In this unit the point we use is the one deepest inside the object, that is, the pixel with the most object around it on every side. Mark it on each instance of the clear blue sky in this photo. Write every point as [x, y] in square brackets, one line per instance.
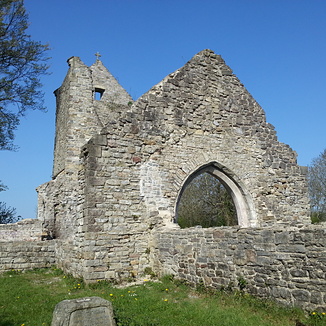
[277, 48]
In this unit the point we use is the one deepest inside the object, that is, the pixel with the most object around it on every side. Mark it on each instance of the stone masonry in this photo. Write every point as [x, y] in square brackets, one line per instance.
[121, 166]
[286, 264]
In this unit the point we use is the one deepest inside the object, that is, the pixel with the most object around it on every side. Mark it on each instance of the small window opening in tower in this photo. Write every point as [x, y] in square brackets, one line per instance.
[98, 93]
[206, 202]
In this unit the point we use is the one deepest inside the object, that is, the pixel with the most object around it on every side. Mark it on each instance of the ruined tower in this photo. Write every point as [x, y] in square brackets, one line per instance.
[86, 101]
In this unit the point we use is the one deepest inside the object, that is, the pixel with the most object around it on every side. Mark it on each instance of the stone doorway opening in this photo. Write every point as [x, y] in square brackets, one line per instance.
[212, 196]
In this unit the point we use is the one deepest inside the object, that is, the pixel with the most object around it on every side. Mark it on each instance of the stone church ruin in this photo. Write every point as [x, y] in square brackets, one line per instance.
[120, 167]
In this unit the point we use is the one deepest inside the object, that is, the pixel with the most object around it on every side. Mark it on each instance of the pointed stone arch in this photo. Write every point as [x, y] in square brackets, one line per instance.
[241, 197]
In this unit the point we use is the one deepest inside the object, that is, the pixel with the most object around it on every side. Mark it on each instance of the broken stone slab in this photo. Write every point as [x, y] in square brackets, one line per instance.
[88, 311]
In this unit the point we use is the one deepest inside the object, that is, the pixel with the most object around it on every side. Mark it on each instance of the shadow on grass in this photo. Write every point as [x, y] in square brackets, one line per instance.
[4, 322]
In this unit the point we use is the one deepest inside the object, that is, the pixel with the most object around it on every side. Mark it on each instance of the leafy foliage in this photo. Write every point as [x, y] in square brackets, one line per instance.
[7, 214]
[206, 202]
[317, 187]
[22, 62]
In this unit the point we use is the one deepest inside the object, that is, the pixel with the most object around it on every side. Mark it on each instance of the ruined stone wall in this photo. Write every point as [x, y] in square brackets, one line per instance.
[59, 206]
[285, 264]
[61, 209]
[199, 115]
[25, 230]
[132, 172]
[115, 225]
[22, 255]
[202, 113]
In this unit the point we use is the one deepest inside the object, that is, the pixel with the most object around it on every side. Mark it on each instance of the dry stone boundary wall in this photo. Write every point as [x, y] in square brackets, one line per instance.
[23, 255]
[288, 265]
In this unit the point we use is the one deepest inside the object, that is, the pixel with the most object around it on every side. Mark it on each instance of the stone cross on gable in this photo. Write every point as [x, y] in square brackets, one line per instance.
[97, 56]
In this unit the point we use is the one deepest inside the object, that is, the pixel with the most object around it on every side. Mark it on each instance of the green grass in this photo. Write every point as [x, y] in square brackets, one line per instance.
[29, 298]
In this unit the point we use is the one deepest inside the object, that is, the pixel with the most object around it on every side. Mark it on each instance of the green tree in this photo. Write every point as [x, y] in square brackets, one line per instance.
[206, 202]
[317, 188]
[22, 62]
[7, 214]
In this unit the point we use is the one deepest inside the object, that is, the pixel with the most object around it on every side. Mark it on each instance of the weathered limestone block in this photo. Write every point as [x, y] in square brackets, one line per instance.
[87, 311]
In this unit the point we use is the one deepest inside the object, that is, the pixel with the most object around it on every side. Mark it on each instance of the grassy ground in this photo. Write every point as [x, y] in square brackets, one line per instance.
[29, 298]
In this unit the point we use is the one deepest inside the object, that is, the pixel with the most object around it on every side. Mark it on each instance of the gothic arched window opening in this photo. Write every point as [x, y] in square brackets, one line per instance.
[206, 202]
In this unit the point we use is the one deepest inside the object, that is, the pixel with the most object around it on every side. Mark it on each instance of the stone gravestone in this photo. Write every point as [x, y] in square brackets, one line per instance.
[89, 311]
